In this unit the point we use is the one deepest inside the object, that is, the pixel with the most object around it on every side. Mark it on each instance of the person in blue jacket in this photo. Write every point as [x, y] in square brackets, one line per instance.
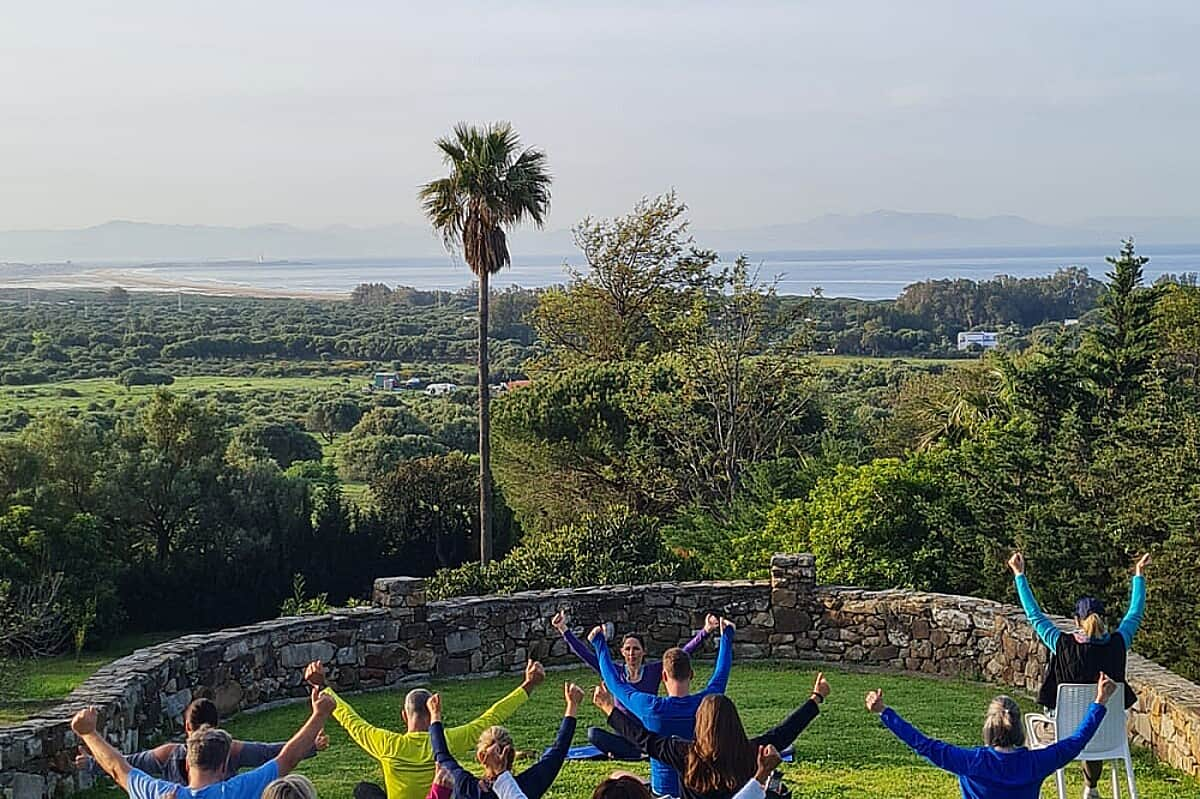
[675, 713]
[1081, 655]
[1003, 768]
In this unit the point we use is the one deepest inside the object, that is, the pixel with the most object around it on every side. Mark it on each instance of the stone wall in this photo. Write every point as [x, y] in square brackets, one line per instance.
[405, 638]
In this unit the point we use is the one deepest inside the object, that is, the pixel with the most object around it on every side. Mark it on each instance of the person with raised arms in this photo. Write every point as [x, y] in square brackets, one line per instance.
[1080, 656]
[169, 761]
[208, 750]
[673, 714]
[407, 757]
[715, 759]
[1003, 768]
[495, 752]
[644, 675]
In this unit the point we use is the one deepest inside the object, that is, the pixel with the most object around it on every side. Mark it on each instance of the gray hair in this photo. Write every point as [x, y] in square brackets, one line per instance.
[1002, 725]
[208, 748]
[293, 786]
[415, 703]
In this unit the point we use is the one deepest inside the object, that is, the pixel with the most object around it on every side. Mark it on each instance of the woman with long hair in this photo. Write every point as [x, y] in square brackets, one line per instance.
[1080, 656]
[1002, 768]
[720, 759]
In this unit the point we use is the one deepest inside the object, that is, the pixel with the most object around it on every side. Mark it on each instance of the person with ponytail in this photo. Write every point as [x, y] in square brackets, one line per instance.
[1080, 656]
[720, 760]
[1003, 768]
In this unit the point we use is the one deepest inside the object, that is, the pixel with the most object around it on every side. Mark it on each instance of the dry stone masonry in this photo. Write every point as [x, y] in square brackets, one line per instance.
[404, 638]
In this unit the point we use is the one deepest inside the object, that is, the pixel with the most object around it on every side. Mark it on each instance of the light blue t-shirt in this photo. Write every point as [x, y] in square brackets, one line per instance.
[249, 785]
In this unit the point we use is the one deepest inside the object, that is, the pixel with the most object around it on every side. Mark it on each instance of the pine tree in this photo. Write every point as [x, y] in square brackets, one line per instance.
[1120, 349]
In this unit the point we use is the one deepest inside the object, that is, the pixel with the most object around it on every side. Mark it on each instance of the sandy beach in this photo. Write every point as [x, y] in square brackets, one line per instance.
[63, 277]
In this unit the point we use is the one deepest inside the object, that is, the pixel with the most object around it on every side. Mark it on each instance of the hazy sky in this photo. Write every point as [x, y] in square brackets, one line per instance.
[316, 113]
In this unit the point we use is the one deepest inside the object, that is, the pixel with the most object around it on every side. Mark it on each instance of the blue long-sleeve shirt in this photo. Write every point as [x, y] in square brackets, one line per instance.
[534, 781]
[1048, 631]
[986, 773]
[665, 715]
[651, 675]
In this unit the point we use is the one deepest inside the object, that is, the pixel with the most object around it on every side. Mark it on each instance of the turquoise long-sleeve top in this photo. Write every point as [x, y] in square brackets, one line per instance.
[1048, 631]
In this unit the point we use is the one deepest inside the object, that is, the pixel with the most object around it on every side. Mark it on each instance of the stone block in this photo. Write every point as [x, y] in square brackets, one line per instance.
[297, 656]
[28, 786]
[461, 641]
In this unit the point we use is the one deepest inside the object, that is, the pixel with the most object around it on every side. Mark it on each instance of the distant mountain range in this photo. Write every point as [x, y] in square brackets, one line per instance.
[120, 240]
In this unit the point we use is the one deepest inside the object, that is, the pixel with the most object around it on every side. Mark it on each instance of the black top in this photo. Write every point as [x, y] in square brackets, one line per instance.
[674, 751]
[534, 781]
[1077, 661]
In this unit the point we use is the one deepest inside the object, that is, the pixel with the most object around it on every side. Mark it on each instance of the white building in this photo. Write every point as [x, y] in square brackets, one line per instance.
[987, 339]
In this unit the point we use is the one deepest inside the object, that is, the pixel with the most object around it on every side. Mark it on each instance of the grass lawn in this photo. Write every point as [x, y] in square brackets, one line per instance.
[854, 360]
[44, 682]
[846, 753]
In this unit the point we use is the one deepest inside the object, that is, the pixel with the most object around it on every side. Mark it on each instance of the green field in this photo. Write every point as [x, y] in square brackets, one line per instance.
[869, 360]
[846, 753]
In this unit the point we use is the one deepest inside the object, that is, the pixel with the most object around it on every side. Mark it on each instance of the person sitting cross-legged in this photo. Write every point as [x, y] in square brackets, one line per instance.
[207, 752]
[495, 753]
[169, 761]
[1003, 768]
[644, 675]
[715, 759]
[407, 757]
[673, 714]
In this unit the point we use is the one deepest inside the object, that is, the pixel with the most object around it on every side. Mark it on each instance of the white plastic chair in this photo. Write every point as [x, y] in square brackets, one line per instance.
[1111, 741]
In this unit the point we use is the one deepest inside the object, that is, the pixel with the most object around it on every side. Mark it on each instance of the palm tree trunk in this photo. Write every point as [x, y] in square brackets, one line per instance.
[485, 448]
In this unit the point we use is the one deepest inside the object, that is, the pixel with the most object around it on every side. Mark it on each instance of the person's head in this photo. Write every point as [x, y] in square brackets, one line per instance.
[495, 738]
[208, 749]
[677, 669]
[293, 786]
[1089, 615]
[416, 711]
[1002, 727]
[721, 758]
[198, 713]
[633, 649]
[623, 787]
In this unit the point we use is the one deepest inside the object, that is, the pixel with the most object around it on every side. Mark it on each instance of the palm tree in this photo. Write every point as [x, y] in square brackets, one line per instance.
[493, 185]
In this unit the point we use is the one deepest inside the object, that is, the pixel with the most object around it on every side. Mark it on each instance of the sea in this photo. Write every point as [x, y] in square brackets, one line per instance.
[864, 274]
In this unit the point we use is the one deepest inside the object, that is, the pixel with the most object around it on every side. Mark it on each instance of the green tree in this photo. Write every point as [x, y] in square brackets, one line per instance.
[284, 442]
[332, 416]
[1120, 349]
[493, 185]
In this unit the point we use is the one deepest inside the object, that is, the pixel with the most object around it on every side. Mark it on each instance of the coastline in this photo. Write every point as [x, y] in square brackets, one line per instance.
[133, 279]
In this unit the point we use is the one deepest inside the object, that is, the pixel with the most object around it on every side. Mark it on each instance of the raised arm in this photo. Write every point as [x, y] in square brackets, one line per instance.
[466, 784]
[711, 625]
[1057, 755]
[941, 754]
[375, 741]
[671, 751]
[536, 779]
[1137, 602]
[305, 739]
[581, 650]
[1045, 629]
[638, 702]
[720, 675]
[149, 761]
[781, 736]
[252, 754]
[463, 737]
[113, 762]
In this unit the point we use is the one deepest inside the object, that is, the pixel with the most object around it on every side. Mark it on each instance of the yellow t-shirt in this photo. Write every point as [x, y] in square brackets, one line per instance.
[407, 757]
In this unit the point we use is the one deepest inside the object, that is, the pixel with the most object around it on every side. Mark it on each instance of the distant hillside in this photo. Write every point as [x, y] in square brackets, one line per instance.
[880, 229]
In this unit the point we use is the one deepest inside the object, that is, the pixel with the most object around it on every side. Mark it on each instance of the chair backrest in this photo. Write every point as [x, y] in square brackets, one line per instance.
[1073, 702]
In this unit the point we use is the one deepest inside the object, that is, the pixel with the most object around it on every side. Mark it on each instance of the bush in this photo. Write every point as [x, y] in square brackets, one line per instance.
[144, 377]
[611, 548]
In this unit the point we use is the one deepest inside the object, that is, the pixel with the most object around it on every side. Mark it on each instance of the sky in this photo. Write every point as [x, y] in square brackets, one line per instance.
[321, 113]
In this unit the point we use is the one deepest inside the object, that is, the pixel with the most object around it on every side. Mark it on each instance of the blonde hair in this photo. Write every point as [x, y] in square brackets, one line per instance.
[293, 786]
[1002, 724]
[1093, 626]
[496, 736]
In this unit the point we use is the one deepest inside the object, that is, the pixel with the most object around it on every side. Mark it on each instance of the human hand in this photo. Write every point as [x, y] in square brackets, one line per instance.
[323, 704]
[496, 759]
[82, 758]
[727, 624]
[595, 631]
[768, 760]
[711, 624]
[875, 701]
[442, 777]
[821, 686]
[434, 705]
[1105, 687]
[574, 695]
[1017, 563]
[1139, 568]
[321, 742]
[559, 622]
[603, 700]
[535, 675]
[84, 722]
[314, 674]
